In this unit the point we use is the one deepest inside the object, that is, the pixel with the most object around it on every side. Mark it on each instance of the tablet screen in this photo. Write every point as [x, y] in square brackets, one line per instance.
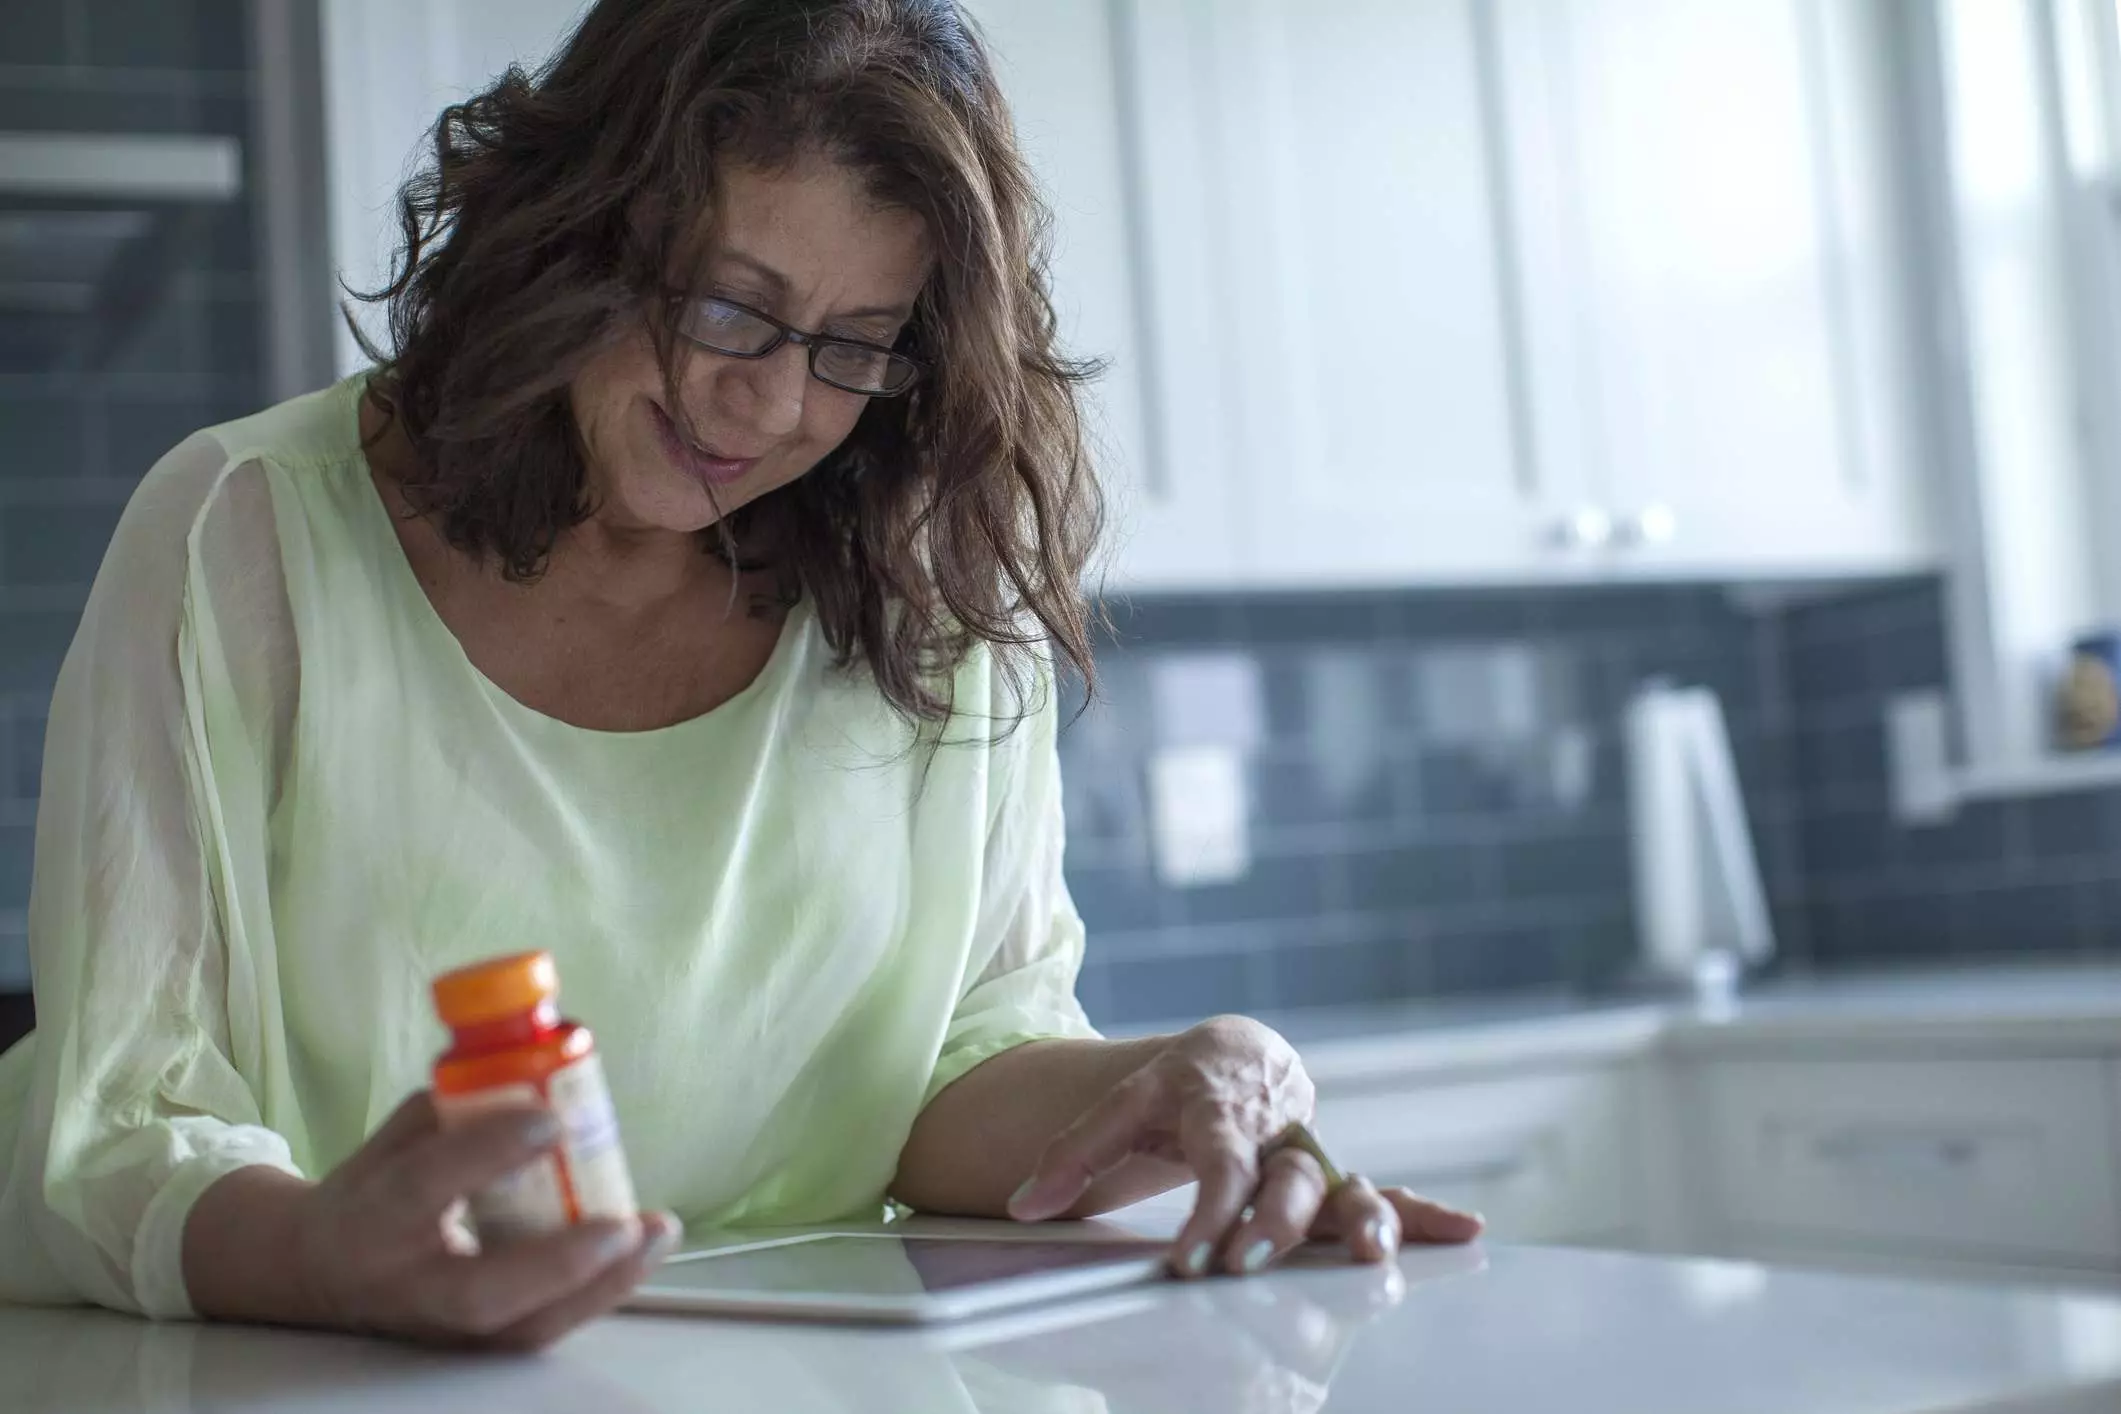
[889, 1266]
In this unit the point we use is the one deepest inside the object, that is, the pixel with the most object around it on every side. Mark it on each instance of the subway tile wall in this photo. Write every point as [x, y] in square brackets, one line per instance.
[89, 398]
[2039, 876]
[1437, 802]
[1434, 784]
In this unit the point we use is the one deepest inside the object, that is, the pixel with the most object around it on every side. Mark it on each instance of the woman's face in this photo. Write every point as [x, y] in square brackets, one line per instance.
[806, 245]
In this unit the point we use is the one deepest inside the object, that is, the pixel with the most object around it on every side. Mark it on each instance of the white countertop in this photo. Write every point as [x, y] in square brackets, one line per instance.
[2063, 1008]
[1494, 1328]
[1509, 1330]
[2055, 1009]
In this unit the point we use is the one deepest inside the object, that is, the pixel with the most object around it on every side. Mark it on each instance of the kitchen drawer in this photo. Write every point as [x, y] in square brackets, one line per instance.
[1546, 1157]
[1982, 1159]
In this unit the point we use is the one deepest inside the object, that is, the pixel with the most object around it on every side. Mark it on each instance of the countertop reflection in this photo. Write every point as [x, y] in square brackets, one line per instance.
[1463, 1329]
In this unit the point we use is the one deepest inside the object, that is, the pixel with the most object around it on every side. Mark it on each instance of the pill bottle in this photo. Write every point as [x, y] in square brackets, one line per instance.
[511, 1047]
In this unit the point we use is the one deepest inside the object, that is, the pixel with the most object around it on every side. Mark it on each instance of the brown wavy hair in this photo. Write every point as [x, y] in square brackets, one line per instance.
[556, 204]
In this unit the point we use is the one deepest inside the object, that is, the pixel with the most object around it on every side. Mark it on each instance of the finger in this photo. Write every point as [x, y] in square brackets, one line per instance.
[413, 1120]
[476, 1297]
[1424, 1221]
[1365, 1222]
[431, 1174]
[1098, 1142]
[660, 1234]
[1227, 1165]
[1291, 1188]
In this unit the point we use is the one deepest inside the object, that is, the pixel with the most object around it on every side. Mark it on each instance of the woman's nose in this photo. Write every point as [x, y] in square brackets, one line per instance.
[767, 393]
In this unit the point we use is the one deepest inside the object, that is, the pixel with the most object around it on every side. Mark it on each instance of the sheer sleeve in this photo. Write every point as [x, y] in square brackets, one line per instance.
[1029, 943]
[144, 1080]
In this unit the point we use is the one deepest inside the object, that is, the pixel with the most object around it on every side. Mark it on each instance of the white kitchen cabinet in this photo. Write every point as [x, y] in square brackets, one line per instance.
[1981, 1160]
[1450, 291]
[1965, 1126]
[1709, 240]
[1553, 1155]
[1173, 521]
[1328, 280]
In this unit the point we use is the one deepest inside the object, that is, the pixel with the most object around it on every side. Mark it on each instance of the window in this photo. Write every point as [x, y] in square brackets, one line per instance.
[2013, 118]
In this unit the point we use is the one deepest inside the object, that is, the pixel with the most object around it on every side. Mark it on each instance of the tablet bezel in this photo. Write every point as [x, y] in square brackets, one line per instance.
[908, 1308]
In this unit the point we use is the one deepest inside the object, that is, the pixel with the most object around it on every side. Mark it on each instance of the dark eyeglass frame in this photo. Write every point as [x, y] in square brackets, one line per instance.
[810, 343]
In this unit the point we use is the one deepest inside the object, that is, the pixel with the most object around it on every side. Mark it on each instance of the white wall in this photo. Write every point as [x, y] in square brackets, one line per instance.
[390, 67]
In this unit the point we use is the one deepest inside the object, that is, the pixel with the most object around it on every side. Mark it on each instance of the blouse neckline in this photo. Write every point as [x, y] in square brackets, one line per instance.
[398, 569]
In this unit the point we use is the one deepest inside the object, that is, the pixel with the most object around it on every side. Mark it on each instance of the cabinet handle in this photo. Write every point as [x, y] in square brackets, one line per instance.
[1652, 525]
[1898, 1151]
[1585, 528]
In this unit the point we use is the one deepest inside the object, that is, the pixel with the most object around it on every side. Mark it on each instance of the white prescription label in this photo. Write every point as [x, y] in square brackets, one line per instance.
[596, 1163]
[584, 1176]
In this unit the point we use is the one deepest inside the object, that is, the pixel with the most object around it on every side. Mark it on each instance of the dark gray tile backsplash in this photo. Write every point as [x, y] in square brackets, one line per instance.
[1438, 804]
[193, 36]
[36, 31]
[1435, 791]
[44, 545]
[2033, 877]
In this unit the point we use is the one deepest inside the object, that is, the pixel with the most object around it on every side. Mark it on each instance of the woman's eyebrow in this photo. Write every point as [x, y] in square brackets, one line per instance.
[779, 285]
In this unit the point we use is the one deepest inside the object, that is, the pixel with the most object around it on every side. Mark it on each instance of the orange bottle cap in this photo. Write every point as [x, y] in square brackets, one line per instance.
[502, 986]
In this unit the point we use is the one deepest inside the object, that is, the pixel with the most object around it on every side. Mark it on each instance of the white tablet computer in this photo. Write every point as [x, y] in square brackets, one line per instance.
[894, 1278]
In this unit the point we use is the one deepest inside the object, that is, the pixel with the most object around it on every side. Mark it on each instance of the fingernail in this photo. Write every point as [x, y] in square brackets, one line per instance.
[1197, 1260]
[1256, 1255]
[1380, 1235]
[1023, 1191]
[541, 1129]
[666, 1241]
[617, 1241]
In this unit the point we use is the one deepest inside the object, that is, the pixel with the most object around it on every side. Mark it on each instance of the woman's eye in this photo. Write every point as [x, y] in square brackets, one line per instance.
[847, 361]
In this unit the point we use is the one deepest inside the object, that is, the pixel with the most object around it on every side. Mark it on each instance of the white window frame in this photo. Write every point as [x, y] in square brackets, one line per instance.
[2021, 351]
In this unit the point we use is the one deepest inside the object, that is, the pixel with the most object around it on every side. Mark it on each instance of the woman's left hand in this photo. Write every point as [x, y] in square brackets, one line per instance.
[1208, 1101]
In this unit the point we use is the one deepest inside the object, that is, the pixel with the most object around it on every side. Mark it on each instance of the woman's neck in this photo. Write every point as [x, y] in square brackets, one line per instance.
[619, 569]
[625, 570]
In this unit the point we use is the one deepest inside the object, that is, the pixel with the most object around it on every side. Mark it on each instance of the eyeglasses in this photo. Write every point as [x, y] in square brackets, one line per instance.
[726, 327]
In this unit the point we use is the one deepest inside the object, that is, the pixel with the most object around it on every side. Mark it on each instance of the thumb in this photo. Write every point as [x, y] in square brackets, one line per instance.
[1102, 1139]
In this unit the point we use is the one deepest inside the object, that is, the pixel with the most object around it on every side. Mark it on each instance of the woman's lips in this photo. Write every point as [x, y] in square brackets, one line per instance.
[714, 470]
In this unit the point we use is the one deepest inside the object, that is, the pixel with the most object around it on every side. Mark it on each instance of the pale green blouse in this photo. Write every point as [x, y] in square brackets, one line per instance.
[278, 799]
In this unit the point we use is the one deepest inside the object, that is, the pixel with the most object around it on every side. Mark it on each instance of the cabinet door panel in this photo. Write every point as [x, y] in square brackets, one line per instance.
[1715, 357]
[1979, 1159]
[1546, 1157]
[1714, 307]
[389, 68]
[1328, 281]
[1081, 125]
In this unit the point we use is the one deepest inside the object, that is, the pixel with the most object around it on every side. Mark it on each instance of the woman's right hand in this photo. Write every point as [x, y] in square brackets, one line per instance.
[373, 1247]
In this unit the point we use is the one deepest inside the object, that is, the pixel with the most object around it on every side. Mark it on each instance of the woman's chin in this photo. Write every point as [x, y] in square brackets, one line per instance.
[654, 495]
[670, 505]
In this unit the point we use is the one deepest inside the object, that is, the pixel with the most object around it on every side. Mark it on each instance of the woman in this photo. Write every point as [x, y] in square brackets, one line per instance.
[673, 595]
